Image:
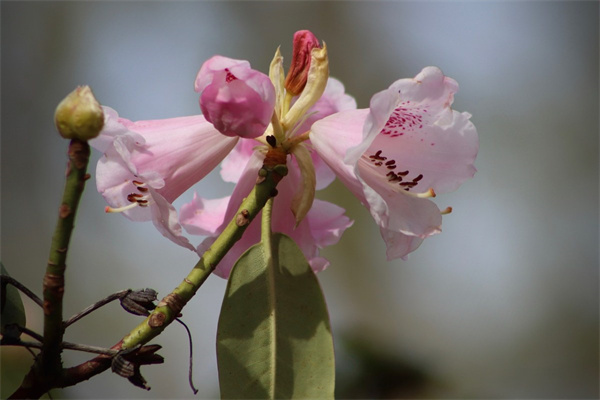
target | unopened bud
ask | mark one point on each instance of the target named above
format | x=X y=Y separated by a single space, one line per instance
x=318 y=73
x=304 y=42
x=79 y=115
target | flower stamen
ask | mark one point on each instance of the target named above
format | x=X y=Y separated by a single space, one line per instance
x=447 y=211
x=108 y=209
x=424 y=195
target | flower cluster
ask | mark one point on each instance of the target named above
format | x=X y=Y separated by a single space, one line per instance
x=394 y=156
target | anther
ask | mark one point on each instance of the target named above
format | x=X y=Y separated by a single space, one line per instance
x=272 y=141
x=131 y=197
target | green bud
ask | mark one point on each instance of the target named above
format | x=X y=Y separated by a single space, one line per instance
x=79 y=115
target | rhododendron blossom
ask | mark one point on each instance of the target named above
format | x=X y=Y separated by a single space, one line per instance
x=148 y=164
x=394 y=156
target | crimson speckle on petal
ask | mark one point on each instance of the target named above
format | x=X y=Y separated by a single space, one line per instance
x=404 y=119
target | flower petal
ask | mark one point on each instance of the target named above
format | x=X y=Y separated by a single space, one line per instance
x=233 y=165
x=313 y=233
x=203 y=216
x=327 y=222
x=398 y=244
x=332 y=137
x=164 y=217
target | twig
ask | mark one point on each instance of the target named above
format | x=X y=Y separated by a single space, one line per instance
x=95 y=306
x=31 y=333
x=12 y=281
x=66 y=345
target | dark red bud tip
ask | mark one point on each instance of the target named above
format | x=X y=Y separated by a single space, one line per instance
x=304 y=42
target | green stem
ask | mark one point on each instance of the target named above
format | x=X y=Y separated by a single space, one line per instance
x=170 y=306
x=47 y=370
x=54 y=281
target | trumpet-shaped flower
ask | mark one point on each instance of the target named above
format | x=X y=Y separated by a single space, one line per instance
x=148 y=164
x=394 y=156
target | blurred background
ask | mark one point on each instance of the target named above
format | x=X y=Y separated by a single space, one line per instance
x=503 y=304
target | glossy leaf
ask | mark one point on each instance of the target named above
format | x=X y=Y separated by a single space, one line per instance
x=274 y=338
x=13 y=311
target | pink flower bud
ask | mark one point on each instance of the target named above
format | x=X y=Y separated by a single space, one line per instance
x=304 y=42
x=236 y=99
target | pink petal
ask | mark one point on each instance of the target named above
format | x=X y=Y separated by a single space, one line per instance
x=164 y=217
x=180 y=150
x=398 y=244
x=334 y=100
x=112 y=128
x=233 y=165
x=333 y=137
x=313 y=233
x=327 y=222
x=203 y=216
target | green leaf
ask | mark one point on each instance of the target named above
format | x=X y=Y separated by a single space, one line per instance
x=274 y=338
x=12 y=309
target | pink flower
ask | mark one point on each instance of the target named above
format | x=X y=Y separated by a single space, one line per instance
x=324 y=223
x=148 y=164
x=238 y=100
x=394 y=156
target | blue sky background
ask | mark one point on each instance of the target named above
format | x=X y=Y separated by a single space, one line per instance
x=502 y=304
